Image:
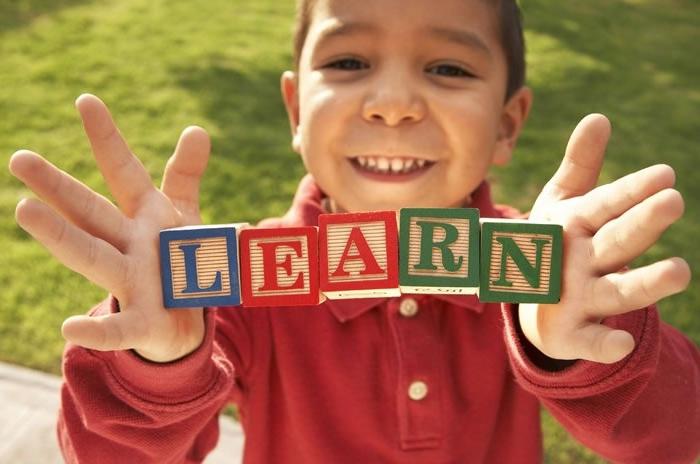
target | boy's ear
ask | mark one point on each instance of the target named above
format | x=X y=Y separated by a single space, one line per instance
x=513 y=118
x=290 y=90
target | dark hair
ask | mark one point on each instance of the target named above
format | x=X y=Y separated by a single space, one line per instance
x=510 y=25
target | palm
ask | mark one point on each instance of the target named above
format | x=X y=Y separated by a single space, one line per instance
x=117 y=248
x=167 y=331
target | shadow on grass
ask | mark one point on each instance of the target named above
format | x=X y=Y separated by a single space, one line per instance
x=646 y=82
x=15 y=14
x=609 y=57
x=244 y=152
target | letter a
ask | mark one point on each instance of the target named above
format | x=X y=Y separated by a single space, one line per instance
x=364 y=253
x=358 y=255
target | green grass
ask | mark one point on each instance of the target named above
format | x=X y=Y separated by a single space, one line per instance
x=161 y=66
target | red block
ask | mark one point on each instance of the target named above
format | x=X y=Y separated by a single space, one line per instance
x=359 y=255
x=279 y=267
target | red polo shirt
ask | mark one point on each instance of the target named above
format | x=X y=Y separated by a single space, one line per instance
x=413 y=379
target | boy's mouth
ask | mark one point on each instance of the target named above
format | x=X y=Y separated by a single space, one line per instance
x=396 y=166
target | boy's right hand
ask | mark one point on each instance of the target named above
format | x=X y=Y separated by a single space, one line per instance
x=117 y=248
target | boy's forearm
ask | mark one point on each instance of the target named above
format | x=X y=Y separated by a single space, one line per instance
x=641 y=409
x=117 y=407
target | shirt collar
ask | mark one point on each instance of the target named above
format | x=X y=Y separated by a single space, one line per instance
x=308 y=205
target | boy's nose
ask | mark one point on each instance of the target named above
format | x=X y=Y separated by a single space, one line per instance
x=394 y=104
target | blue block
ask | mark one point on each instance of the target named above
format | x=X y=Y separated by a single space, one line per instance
x=199 y=266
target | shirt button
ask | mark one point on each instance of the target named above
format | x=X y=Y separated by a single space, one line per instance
x=408 y=307
x=418 y=390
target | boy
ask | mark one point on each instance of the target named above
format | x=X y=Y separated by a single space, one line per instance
x=393 y=103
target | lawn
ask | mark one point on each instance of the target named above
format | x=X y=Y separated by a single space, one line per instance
x=161 y=66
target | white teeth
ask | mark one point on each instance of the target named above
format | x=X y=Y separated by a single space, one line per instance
x=384 y=165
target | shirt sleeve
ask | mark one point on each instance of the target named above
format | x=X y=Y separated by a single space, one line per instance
x=117 y=407
x=642 y=409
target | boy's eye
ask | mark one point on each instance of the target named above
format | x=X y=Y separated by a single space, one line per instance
x=347 y=64
x=450 y=71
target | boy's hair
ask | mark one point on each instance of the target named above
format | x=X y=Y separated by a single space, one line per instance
x=510 y=23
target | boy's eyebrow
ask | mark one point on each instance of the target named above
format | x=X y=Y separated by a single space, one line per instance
x=460 y=37
x=338 y=28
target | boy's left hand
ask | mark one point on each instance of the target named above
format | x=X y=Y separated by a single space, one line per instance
x=605 y=228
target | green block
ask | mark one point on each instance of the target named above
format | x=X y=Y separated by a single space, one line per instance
x=520 y=261
x=439 y=250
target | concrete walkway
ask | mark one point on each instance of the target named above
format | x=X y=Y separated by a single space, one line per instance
x=28 y=407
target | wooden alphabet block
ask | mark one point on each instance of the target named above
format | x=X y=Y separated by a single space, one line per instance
x=439 y=250
x=520 y=261
x=359 y=255
x=279 y=267
x=199 y=266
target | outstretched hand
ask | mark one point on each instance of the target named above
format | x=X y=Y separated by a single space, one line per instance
x=605 y=228
x=117 y=247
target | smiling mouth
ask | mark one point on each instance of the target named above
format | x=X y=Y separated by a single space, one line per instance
x=391 y=165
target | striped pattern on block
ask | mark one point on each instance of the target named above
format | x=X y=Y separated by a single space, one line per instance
x=299 y=264
x=199 y=266
x=439 y=250
x=520 y=261
x=338 y=235
x=212 y=258
x=358 y=254
x=513 y=273
x=460 y=248
x=279 y=266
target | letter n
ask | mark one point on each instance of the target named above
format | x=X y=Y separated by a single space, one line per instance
x=521 y=261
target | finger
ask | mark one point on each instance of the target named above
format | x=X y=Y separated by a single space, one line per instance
x=96 y=259
x=85 y=208
x=583 y=159
x=126 y=177
x=118 y=331
x=611 y=200
x=622 y=292
x=623 y=239
x=185 y=168
x=598 y=343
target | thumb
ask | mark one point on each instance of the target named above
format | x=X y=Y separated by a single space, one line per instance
x=186 y=167
x=602 y=344
x=118 y=331
x=583 y=160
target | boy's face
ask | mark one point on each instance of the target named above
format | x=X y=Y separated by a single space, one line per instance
x=401 y=103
